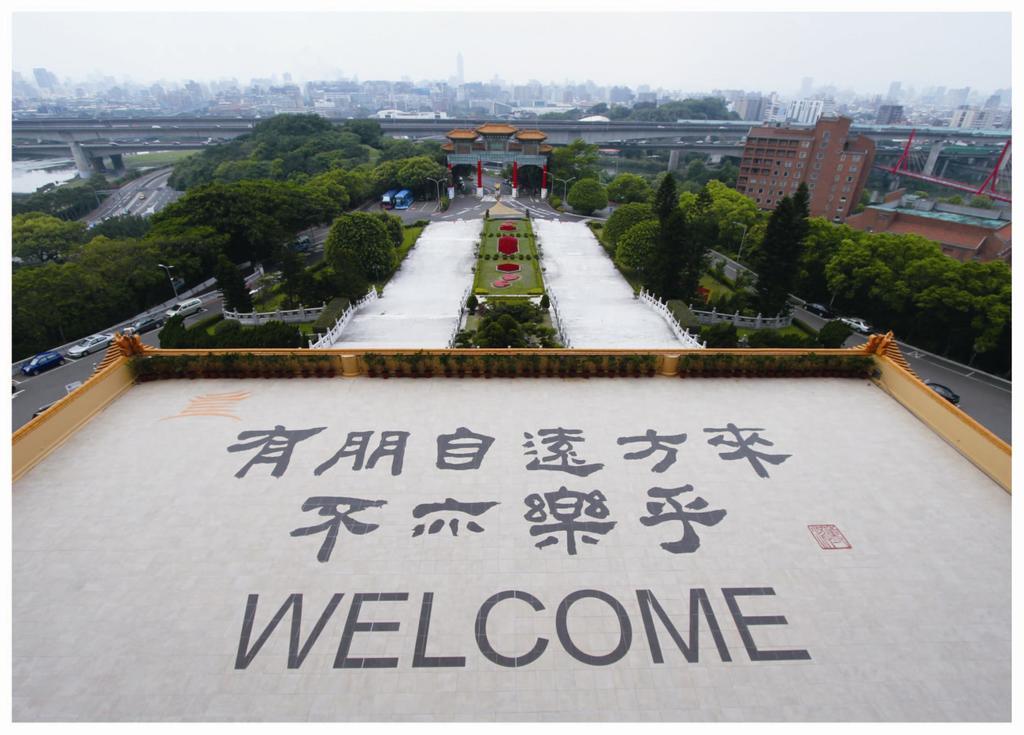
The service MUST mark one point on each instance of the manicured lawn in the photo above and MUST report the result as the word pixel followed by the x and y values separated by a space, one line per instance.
pixel 155 159
pixel 529 281
pixel 409 237
pixel 716 287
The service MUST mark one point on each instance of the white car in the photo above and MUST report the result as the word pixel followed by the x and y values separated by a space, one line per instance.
pixel 90 345
pixel 857 324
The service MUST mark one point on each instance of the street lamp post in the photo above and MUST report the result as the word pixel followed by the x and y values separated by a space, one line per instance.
pixel 437 186
pixel 565 184
pixel 742 239
pixel 167 270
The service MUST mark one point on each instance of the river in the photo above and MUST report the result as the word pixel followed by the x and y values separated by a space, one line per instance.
pixel 29 175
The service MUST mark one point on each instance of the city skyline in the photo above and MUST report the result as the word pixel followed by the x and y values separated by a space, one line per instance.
pixel 306 45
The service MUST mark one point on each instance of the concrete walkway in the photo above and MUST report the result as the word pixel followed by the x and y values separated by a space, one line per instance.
pixel 596 305
pixel 420 306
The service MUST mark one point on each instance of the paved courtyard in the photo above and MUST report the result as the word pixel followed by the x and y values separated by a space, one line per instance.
pixel 595 303
pixel 544 550
pixel 420 306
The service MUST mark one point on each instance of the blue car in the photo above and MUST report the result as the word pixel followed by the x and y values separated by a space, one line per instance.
pixel 42 361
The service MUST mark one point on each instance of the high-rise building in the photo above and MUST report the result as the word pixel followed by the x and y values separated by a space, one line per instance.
pixel 460 74
pixel 806 86
pixel 889 114
pixel 45 79
pixel 895 92
pixel 806 111
pixel 833 164
pixel 751 108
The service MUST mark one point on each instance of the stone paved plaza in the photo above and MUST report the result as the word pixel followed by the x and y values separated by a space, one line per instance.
pixel 360 549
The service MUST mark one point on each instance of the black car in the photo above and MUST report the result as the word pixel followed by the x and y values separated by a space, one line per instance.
pixel 146 324
pixel 945 392
pixel 823 311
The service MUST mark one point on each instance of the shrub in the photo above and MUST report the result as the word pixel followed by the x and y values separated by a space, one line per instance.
pixel 545 302
pixel 722 334
pixel 331 313
pixel 472 303
pixel 555 202
pixel 834 334
pixel 773 338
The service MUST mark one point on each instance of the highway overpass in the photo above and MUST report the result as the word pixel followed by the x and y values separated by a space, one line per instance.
pixel 75 133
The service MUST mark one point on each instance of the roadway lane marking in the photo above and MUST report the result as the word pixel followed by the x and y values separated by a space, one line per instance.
pixel 962 375
pixel 16 394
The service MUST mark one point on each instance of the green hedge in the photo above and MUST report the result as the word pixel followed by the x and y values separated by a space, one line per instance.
pixel 231 334
pixel 331 313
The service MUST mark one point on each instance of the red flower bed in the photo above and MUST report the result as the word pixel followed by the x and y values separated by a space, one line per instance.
pixel 508 267
pixel 508 245
pixel 510 278
pixel 507 226
pixel 500 284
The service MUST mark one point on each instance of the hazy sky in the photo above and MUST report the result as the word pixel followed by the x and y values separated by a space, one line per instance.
pixel 685 51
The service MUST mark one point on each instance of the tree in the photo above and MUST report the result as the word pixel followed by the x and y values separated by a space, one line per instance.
pixel 666 198
pixel 636 249
pixel 415 173
pixel 232 286
pixel 366 238
pixel 395 228
pixel 626 188
pixel 369 131
pixel 700 233
pixel 577 160
pixel 38 237
pixel 127 225
pixel 778 258
pixel 623 218
pixel 587 196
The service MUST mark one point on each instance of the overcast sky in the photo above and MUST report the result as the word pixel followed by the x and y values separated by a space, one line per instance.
pixel 683 51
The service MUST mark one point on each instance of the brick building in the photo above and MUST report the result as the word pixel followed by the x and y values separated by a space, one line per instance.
pixel 834 165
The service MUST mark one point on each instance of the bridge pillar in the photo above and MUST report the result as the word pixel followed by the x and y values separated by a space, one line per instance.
pixel 673 159
pixel 933 158
pixel 82 158
pixel 117 161
pixel 98 165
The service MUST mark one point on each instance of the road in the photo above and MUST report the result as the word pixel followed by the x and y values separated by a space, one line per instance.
pixel 143 196
pixel 31 393
pixel 985 398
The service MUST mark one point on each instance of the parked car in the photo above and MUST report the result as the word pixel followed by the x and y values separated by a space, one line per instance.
pixel 823 311
pixel 42 408
pixel 185 308
pixel 145 324
pixel 42 361
pixel 90 345
pixel 857 324
pixel 945 392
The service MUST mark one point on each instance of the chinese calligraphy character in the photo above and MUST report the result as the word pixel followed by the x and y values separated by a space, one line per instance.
pixel 567 508
pixel 275 445
pixel 690 542
pixel 744 448
pixel 562 458
pixel 329 507
pixel 463 450
pixel 656 442
pixel 450 505
pixel 392 444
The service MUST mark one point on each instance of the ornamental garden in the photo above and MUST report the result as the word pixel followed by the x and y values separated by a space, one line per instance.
pixel 507 260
